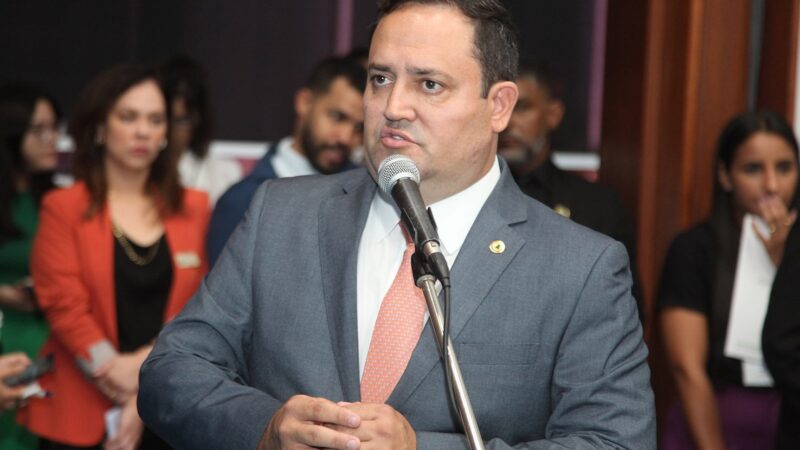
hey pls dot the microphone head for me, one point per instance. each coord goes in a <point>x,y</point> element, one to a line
<point>393,169</point>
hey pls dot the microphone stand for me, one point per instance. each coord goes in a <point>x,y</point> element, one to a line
<point>458,390</point>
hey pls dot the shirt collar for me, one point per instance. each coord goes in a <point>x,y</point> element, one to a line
<point>288,162</point>
<point>454,215</point>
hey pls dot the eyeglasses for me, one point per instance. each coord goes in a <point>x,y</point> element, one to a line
<point>44,131</point>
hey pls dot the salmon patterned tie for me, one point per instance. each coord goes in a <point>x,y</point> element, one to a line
<point>397,330</point>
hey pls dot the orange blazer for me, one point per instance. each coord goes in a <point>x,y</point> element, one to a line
<point>73,271</point>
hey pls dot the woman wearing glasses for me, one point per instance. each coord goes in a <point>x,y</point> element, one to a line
<point>28,134</point>
<point>115,256</point>
<point>191,129</point>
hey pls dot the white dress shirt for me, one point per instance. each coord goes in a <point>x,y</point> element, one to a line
<point>382,244</point>
<point>212,175</point>
<point>288,162</point>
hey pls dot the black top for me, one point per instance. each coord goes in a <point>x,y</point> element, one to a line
<point>781,340</point>
<point>141,294</point>
<point>590,204</point>
<point>688,281</point>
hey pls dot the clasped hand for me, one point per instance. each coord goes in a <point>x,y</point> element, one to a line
<point>118,378</point>
<point>306,422</point>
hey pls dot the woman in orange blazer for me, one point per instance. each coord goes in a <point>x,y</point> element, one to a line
<point>115,256</point>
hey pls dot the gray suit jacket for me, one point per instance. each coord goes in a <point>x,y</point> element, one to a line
<point>547,332</point>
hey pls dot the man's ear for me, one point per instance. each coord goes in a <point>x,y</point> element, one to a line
<point>302,102</point>
<point>502,98</point>
<point>555,113</point>
<point>724,178</point>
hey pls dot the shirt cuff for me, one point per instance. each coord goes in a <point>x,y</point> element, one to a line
<point>99,354</point>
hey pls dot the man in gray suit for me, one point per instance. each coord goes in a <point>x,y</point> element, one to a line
<point>270,352</point>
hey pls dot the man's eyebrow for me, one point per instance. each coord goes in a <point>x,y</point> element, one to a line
<point>339,111</point>
<point>426,72</point>
<point>422,71</point>
<point>415,71</point>
<point>379,67</point>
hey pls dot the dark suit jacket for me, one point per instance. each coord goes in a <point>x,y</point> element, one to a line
<point>230,208</point>
<point>781,340</point>
<point>589,204</point>
<point>546,332</point>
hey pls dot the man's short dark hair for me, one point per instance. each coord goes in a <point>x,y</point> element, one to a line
<point>539,71</point>
<point>330,69</point>
<point>496,43</point>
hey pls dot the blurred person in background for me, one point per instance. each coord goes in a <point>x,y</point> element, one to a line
<point>329,122</point>
<point>781,341</point>
<point>115,256</point>
<point>526,144</point>
<point>28,157</point>
<point>192,127</point>
<point>757,173</point>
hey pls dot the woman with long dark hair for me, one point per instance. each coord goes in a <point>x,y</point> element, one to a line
<point>757,174</point>
<point>28,133</point>
<point>192,127</point>
<point>116,255</point>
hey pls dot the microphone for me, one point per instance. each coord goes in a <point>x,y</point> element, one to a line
<point>398,176</point>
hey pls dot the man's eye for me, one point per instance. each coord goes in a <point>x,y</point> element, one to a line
<point>522,106</point>
<point>432,86</point>
<point>379,80</point>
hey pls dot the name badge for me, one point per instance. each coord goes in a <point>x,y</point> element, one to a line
<point>187,260</point>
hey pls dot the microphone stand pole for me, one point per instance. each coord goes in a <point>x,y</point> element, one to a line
<point>458,390</point>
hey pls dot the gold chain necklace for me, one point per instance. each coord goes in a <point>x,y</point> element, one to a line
<point>130,252</point>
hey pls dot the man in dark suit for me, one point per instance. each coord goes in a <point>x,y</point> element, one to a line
<point>526,146</point>
<point>276,349</point>
<point>328,126</point>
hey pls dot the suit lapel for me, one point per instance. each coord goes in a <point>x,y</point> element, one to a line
<point>342,220</point>
<point>473,275</point>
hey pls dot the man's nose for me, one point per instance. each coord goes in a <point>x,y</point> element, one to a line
<point>398,105</point>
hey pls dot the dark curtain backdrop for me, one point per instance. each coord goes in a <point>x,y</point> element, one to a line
<point>257,53</point>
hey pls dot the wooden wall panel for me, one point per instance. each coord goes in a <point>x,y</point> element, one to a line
<point>776,81</point>
<point>659,131</point>
<point>721,93</point>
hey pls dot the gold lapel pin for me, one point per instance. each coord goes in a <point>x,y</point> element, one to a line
<point>497,247</point>
<point>562,210</point>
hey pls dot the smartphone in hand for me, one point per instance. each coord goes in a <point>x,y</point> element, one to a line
<point>42,365</point>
